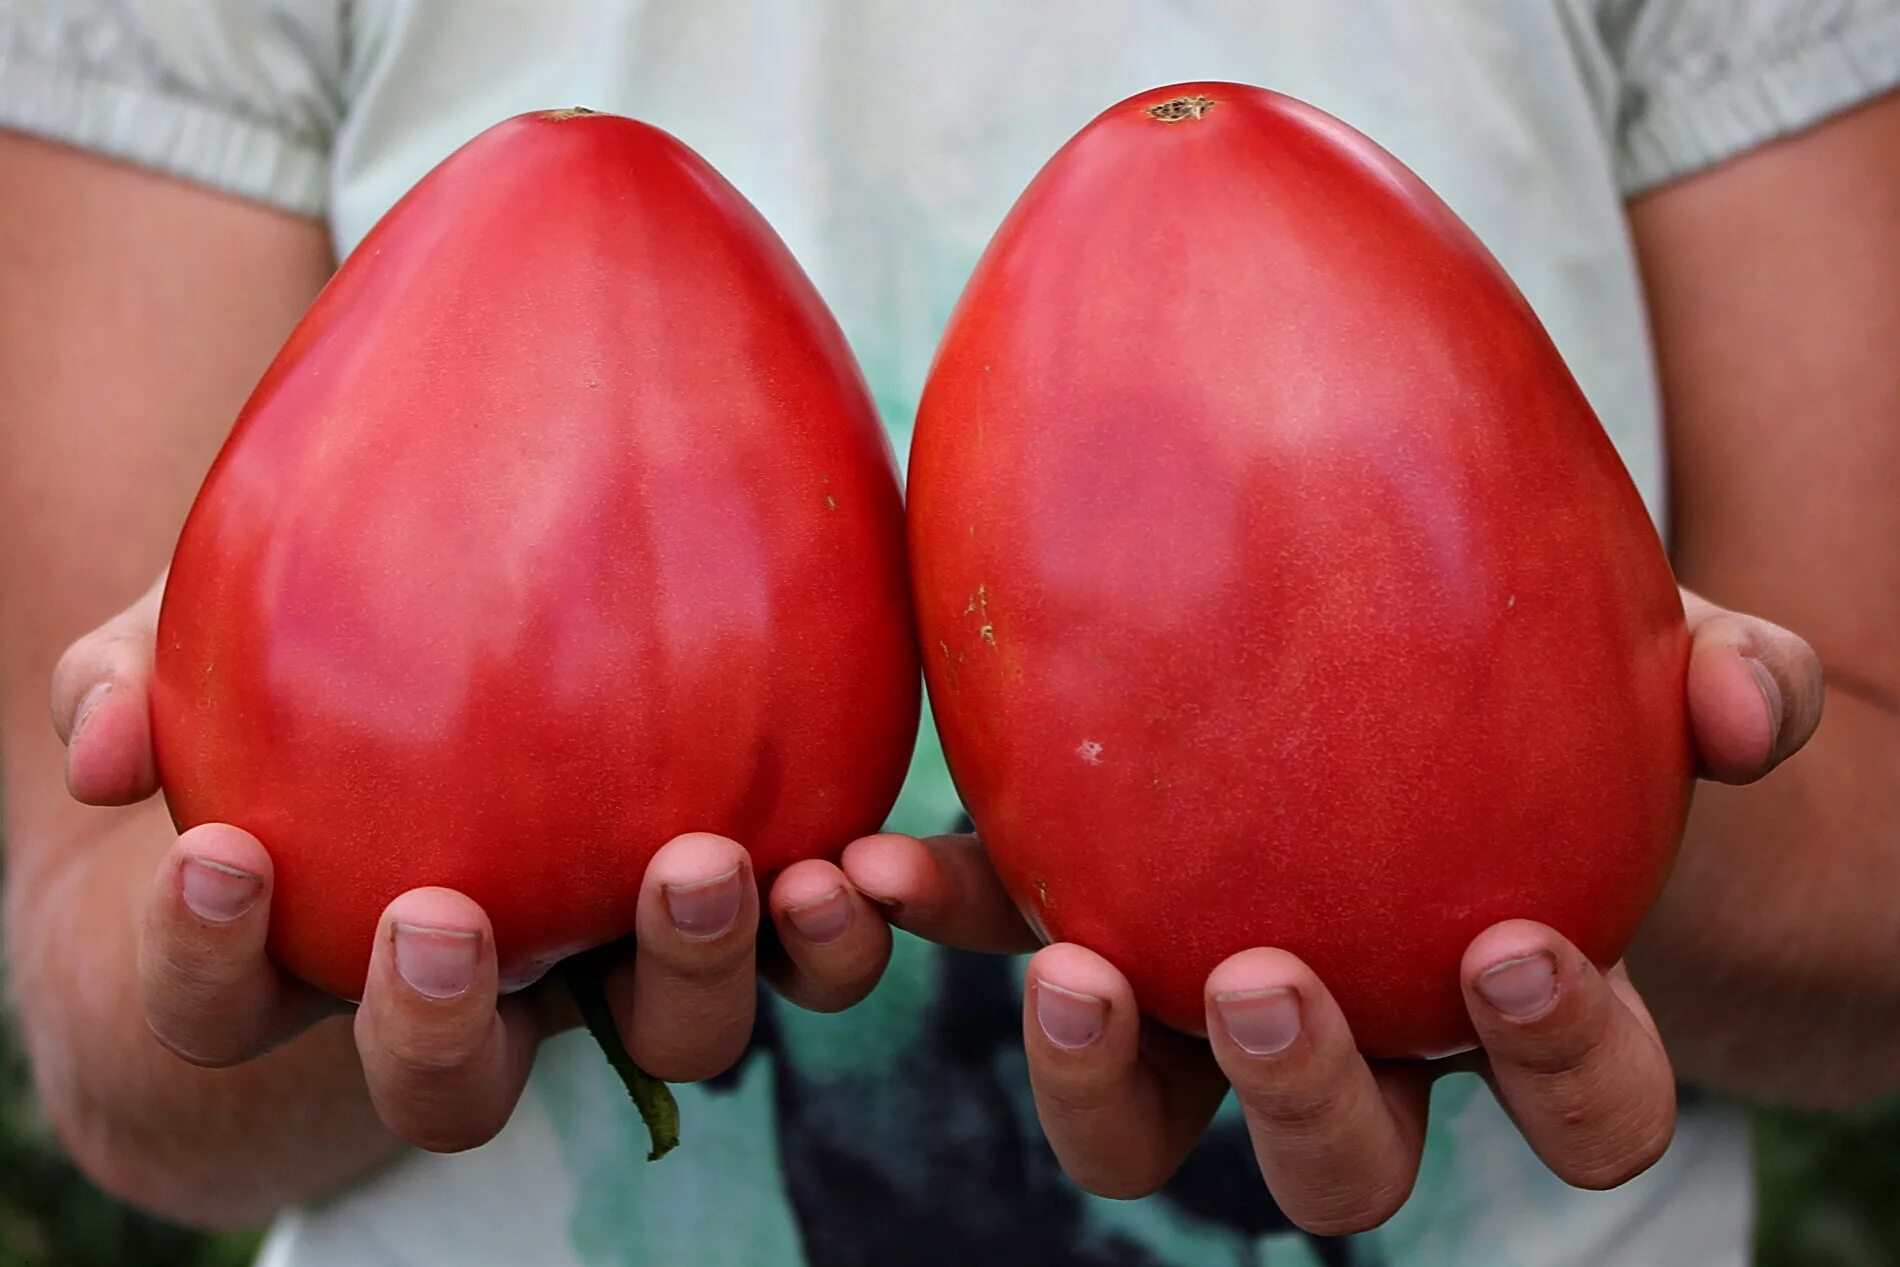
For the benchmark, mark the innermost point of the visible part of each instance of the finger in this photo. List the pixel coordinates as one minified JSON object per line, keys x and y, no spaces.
{"x":835,"y":942}
{"x":101,"y":709}
{"x":1574,"y":1057}
{"x":1119,"y":1118}
{"x":1755,"y":692}
{"x":444,"y":1065}
{"x":210,"y":992}
{"x":942,"y":889}
{"x":684,"y":1005}
{"x":1338,"y":1147}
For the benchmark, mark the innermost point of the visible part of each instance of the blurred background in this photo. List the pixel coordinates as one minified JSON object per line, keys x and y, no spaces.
{"x":1828,"y":1188}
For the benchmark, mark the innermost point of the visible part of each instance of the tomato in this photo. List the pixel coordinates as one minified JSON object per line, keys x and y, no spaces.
{"x":562,"y":524}
{"x":1277,"y":585}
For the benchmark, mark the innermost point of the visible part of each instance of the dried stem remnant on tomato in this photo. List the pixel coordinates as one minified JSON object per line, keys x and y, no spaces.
{"x":1176,"y":109}
{"x":572,"y":112}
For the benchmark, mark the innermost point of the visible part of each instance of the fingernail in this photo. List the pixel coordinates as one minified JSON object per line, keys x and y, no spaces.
{"x":704,"y":910}
{"x":1520,"y":988}
{"x":1770,"y":692}
{"x":824,"y":921}
{"x":1069,"y":1019}
{"x":438,"y":962}
{"x":87,"y":702}
{"x":216,"y":892}
{"x":1261,"y":1022}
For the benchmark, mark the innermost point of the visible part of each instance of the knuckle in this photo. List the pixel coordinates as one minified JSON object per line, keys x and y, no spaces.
{"x":705,"y":963}
{"x":1571,"y":1103}
{"x":207,"y":1050}
{"x":89,"y":654}
{"x":1077,"y":1088}
{"x":444,"y":1124}
{"x":689,"y":1035}
{"x":69,"y":675}
{"x":1118,"y":1181}
{"x":423,"y":1053}
{"x":212,"y":1022}
{"x":1070,"y":1099}
{"x":1736,"y":631}
{"x":708,"y":1058}
{"x":1329,"y":1224}
{"x":183,"y":977}
{"x":451,"y":1140}
{"x":844,"y":997}
{"x":186,"y":1006}
{"x":1555,"y":1050}
{"x":687,"y":1031}
{"x":1353,"y":1204}
{"x":1295,"y":1112}
{"x":1611,"y":1172}
{"x":426,"y":1058}
{"x":1616,"y":1155}
{"x":1350,"y":1217}
{"x":826,"y":998}
{"x":833,"y":986}
{"x":133,"y":645}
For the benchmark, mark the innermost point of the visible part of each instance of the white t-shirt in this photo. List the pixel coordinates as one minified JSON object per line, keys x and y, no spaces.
{"x":885,"y":140}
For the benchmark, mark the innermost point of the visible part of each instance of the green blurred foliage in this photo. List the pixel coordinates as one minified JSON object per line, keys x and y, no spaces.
{"x":1830,"y":1195}
{"x":1829,"y":1188}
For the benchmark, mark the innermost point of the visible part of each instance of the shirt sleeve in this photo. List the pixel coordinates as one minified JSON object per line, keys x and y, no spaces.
{"x":1704,"y":80}
{"x":244,"y":96}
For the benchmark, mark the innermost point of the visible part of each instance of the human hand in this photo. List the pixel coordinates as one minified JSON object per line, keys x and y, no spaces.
{"x":444,"y":1054}
{"x":1571,"y":1051}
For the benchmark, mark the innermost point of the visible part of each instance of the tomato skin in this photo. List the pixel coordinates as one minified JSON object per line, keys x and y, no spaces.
{"x":562,"y":524}
{"x":1276,"y":583}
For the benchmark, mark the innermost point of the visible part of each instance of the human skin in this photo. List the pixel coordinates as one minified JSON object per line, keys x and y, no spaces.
{"x":1775,"y":292}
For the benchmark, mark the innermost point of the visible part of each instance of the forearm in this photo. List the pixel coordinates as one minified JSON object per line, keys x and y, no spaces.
{"x":1770,"y":962}
{"x":204,"y":1146}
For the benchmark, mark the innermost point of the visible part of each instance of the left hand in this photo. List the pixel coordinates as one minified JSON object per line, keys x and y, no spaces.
{"x":444,"y":1054}
{"x":1570,"y":1051}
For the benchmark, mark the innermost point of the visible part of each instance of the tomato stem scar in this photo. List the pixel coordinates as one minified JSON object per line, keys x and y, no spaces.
{"x":1175,"y":109}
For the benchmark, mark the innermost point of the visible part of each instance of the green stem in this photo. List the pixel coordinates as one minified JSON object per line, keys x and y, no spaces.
{"x":586,"y":977}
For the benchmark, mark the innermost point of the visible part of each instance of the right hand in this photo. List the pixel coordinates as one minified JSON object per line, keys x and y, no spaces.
{"x":444,"y":1055}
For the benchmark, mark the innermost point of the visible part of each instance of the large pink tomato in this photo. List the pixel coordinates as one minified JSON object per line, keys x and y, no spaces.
{"x":562,"y":524}
{"x":1277,"y":585}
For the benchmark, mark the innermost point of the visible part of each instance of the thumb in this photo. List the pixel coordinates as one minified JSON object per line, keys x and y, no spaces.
{"x":101,"y":707}
{"x":1755,"y":692}
{"x":942,"y":889}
